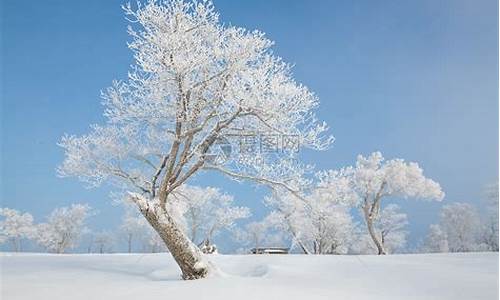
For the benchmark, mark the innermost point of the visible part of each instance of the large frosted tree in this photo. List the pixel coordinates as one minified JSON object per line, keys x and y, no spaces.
{"x":374,"y":179}
{"x":196,"y":87}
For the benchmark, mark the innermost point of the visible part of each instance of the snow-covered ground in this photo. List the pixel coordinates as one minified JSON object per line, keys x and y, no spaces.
{"x":155,"y":276}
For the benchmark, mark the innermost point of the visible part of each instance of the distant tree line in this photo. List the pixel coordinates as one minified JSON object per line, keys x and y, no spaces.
{"x":318,"y":226}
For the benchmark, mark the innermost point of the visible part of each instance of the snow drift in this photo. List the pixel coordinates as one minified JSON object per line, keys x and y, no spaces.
{"x":156,"y":276}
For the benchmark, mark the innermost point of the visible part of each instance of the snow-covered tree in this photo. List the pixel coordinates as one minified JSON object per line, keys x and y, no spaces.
{"x":154,"y":242}
{"x":14,"y":227}
{"x":328,"y":209}
{"x":318,"y":223}
{"x":256,"y":233}
{"x":461,"y":224}
{"x":207,"y":211}
{"x":462,"y":229}
{"x":197,"y":87}
{"x":103,"y":241}
{"x":262,"y":233}
{"x":134,"y":228}
{"x":436,"y":240}
{"x":489,"y":235}
{"x":88,"y":240}
{"x":289,"y":217}
{"x":137,"y":230}
{"x":374,"y":179}
{"x":391,"y":225}
{"x":332,"y":230}
{"x":318,"y":220}
{"x":459,"y":230}
{"x":363,"y":243}
{"x":63,"y":228}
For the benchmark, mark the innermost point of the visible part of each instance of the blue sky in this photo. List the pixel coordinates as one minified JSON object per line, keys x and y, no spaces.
{"x":414,"y":79}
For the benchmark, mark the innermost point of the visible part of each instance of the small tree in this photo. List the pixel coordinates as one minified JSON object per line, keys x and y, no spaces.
{"x":318,"y":220}
{"x":255,"y":233}
{"x":206,"y":211}
{"x":373,"y":179}
{"x":319,"y":223}
{"x":154,"y":242}
{"x":134,"y":227}
{"x":289,"y":217}
{"x":461,"y":224}
{"x":363,"y":243}
{"x":63,"y":228}
{"x":196,"y":87}
{"x":332,"y":230}
{"x":436,"y":240}
{"x":15,"y":227}
{"x":489,"y":234}
{"x":391,"y":225}
{"x":103,"y":241}
{"x":260,"y":233}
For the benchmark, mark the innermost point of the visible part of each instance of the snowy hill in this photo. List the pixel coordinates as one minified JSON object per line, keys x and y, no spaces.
{"x":155,"y":276}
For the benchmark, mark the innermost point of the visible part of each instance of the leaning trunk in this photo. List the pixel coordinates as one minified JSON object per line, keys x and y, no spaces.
{"x":373,"y":235}
{"x":297,"y":239}
{"x":303,"y":247}
{"x":186,"y":254}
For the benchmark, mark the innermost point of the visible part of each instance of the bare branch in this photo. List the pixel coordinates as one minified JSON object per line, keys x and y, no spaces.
{"x":132,"y":180}
{"x":270,"y":182}
{"x":155,"y":176}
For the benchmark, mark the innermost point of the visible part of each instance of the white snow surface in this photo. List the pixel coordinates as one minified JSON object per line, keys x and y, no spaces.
{"x":155,"y":276}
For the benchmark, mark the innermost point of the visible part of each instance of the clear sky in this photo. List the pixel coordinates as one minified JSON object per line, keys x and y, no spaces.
{"x":414,"y":79}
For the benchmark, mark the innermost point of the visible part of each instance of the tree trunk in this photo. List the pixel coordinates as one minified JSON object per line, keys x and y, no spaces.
{"x":15,"y":247}
{"x":370,"y":211}
{"x":303,"y":247}
{"x":129,"y":243}
{"x":186,"y":254}
{"x":297,"y":240}
{"x":256,"y":240}
{"x":373,"y":235}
